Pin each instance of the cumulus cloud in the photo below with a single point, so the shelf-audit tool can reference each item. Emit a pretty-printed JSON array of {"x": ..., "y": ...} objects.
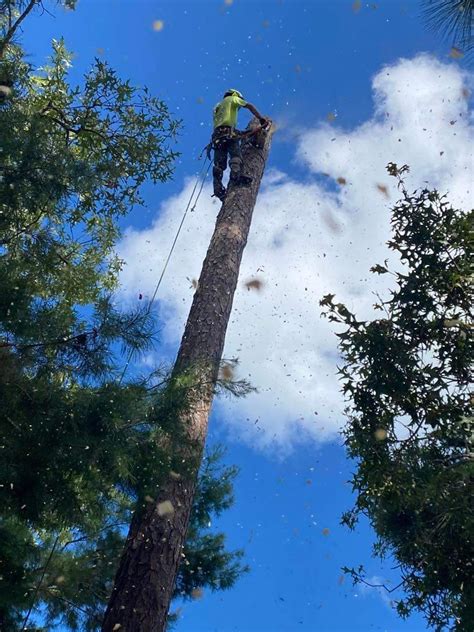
[{"x": 309, "y": 238}]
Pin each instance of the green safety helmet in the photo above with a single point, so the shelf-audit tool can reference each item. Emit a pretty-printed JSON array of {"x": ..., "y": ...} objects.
[{"x": 233, "y": 92}]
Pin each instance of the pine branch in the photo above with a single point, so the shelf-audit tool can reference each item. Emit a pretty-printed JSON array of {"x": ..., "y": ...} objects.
[
  {"x": 38, "y": 585},
  {"x": 80, "y": 339},
  {"x": 452, "y": 19}
]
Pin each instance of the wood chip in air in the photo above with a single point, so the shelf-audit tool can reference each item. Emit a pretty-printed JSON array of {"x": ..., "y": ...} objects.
[
  {"x": 383, "y": 189},
  {"x": 254, "y": 284},
  {"x": 165, "y": 508}
]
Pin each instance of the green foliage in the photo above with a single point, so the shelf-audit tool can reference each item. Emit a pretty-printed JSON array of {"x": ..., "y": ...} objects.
[
  {"x": 406, "y": 377},
  {"x": 73, "y": 161},
  {"x": 72, "y": 570}
]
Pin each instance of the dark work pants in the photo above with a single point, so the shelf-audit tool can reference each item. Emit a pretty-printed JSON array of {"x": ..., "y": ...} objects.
[{"x": 226, "y": 147}]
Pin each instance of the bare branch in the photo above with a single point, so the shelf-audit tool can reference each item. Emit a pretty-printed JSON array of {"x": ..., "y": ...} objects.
[
  {"x": 79, "y": 338},
  {"x": 386, "y": 588}
]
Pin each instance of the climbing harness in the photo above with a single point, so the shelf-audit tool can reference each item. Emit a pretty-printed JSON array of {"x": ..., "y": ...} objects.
[
  {"x": 201, "y": 178},
  {"x": 219, "y": 135},
  {"x": 228, "y": 133}
]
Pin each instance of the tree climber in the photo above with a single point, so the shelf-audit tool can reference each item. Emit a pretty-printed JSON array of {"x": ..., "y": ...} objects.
[{"x": 226, "y": 141}]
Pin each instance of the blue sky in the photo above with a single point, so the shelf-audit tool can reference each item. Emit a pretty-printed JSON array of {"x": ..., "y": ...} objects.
[{"x": 298, "y": 61}]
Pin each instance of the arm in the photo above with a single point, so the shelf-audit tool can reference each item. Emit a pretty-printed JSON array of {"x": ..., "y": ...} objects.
[{"x": 256, "y": 113}]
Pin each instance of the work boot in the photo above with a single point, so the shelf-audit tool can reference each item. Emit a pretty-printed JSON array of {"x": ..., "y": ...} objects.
[
  {"x": 219, "y": 188},
  {"x": 220, "y": 193}
]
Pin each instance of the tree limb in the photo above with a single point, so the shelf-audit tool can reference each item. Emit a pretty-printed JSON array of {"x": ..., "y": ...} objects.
[{"x": 13, "y": 27}]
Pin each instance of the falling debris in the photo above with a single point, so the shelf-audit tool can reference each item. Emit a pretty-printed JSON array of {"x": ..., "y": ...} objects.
[
  {"x": 456, "y": 53},
  {"x": 226, "y": 372},
  {"x": 451, "y": 322},
  {"x": 356, "y": 6},
  {"x": 341, "y": 181},
  {"x": 331, "y": 222},
  {"x": 383, "y": 189},
  {"x": 331, "y": 116},
  {"x": 197, "y": 593},
  {"x": 117, "y": 626},
  {"x": 158, "y": 25},
  {"x": 254, "y": 284},
  {"x": 325, "y": 531},
  {"x": 194, "y": 283},
  {"x": 165, "y": 508}
]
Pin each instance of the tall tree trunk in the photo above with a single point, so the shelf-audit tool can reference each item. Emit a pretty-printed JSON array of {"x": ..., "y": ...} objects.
[{"x": 147, "y": 572}]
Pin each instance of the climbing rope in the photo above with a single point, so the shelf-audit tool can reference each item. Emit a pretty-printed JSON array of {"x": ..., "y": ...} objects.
[{"x": 200, "y": 179}]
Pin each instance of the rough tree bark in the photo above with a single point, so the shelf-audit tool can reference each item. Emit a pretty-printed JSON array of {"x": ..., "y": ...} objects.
[{"x": 145, "y": 580}]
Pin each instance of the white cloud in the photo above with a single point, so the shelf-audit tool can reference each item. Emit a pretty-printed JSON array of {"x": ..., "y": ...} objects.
[{"x": 310, "y": 238}]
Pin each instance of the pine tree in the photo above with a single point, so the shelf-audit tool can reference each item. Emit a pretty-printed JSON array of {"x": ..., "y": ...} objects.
[{"x": 147, "y": 573}]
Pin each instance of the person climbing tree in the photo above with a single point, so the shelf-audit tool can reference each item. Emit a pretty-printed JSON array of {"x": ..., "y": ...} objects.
[{"x": 226, "y": 141}]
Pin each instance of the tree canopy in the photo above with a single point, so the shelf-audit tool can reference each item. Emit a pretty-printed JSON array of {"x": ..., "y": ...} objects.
[{"x": 406, "y": 377}]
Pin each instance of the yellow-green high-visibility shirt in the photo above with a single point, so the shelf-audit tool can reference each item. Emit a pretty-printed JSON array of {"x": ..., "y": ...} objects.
[{"x": 225, "y": 112}]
